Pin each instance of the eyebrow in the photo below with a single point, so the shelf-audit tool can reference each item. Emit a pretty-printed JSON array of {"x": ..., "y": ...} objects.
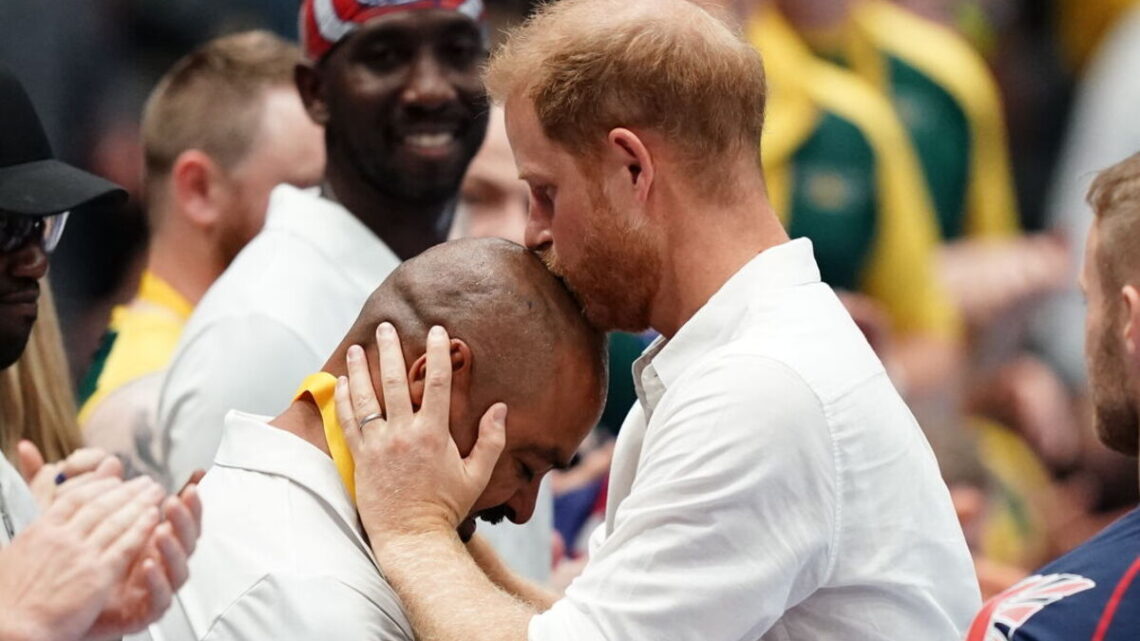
[{"x": 552, "y": 456}]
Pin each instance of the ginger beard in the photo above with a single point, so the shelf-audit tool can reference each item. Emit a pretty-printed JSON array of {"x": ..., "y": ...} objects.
[
  {"x": 613, "y": 270},
  {"x": 1117, "y": 420}
]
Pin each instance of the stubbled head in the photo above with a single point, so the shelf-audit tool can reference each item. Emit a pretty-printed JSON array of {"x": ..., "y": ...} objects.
[
  {"x": 611, "y": 104},
  {"x": 222, "y": 128},
  {"x": 1110, "y": 279},
  {"x": 517, "y": 336}
]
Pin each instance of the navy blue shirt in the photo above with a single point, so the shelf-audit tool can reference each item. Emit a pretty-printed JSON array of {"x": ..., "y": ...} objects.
[{"x": 1090, "y": 594}]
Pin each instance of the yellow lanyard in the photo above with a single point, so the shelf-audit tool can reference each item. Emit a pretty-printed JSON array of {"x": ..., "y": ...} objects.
[{"x": 321, "y": 387}]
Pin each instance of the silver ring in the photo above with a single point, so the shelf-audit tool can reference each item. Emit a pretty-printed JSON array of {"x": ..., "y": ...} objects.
[{"x": 371, "y": 417}]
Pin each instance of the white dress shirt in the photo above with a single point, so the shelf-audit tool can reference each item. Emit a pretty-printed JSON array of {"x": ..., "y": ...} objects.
[
  {"x": 272, "y": 319},
  {"x": 770, "y": 484},
  {"x": 17, "y": 507},
  {"x": 282, "y": 554}
]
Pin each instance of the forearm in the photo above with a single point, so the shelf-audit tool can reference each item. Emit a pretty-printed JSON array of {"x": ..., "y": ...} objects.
[
  {"x": 533, "y": 594},
  {"x": 446, "y": 594}
]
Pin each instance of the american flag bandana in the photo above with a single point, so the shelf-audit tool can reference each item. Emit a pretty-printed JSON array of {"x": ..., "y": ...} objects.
[{"x": 325, "y": 22}]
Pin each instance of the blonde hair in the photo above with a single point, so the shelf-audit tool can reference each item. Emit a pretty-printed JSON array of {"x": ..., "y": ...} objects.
[
  {"x": 212, "y": 100},
  {"x": 668, "y": 66},
  {"x": 1115, "y": 199},
  {"x": 36, "y": 398}
]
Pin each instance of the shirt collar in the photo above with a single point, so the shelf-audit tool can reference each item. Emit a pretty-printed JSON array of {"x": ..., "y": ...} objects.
[
  {"x": 790, "y": 264},
  {"x": 250, "y": 443},
  {"x": 333, "y": 231}
]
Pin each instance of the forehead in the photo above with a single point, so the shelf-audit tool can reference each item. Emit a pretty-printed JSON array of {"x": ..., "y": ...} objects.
[
  {"x": 423, "y": 25},
  {"x": 560, "y": 415}
]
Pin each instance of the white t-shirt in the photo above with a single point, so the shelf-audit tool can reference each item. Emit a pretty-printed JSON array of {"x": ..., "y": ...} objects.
[
  {"x": 272, "y": 319},
  {"x": 770, "y": 484},
  {"x": 282, "y": 554},
  {"x": 17, "y": 506}
]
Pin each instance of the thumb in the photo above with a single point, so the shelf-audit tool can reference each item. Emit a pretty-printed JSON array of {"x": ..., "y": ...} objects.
[
  {"x": 492, "y": 436},
  {"x": 30, "y": 460}
]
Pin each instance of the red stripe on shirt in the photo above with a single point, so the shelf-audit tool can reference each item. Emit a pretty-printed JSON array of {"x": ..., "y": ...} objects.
[{"x": 1114, "y": 602}]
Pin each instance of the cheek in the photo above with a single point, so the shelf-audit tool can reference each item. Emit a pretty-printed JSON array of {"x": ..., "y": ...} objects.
[{"x": 503, "y": 485}]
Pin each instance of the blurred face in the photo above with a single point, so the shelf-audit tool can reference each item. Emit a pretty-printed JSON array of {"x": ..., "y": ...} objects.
[
  {"x": 406, "y": 109},
  {"x": 1110, "y": 377},
  {"x": 608, "y": 257},
  {"x": 493, "y": 199},
  {"x": 289, "y": 148},
  {"x": 544, "y": 431},
  {"x": 20, "y": 271}
]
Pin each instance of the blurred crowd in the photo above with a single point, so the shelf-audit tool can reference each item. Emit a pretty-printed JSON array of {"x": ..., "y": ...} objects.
[{"x": 936, "y": 152}]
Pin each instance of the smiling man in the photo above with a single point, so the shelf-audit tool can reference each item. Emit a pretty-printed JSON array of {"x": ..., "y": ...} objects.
[{"x": 396, "y": 86}]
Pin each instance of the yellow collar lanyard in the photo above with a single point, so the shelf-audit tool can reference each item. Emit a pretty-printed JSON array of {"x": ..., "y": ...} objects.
[{"x": 321, "y": 387}]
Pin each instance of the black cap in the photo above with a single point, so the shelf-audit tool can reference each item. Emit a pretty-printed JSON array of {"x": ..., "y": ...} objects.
[{"x": 32, "y": 181}]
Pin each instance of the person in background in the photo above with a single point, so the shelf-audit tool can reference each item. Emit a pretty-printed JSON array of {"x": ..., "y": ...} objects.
[
  {"x": 98, "y": 563},
  {"x": 221, "y": 129},
  {"x": 493, "y": 200},
  {"x": 1094, "y": 591},
  {"x": 397, "y": 89},
  {"x": 841, "y": 172},
  {"x": 36, "y": 402}
]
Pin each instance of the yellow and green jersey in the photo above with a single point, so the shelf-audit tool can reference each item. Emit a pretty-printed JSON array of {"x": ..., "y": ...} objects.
[
  {"x": 140, "y": 341},
  {"x": 945, "y": 96},
  {"x": 841, "y": 171}
]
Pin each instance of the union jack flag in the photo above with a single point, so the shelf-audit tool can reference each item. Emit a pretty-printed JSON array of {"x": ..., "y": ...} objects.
[{"x": 1008, "y": 611}]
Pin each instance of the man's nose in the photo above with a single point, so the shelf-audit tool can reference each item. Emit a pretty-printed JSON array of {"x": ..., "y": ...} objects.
[
  {"x": 29, "y": 261},
  {"x": 428, "y": 85},
  {"x": 522, "y": 503},
  {"x": 538, "y": 235}
]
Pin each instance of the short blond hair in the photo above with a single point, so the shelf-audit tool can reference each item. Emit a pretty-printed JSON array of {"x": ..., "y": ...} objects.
[
  {"x": 212, "y": 100},
  {"x": 1115, "y": 199},
  {"x": 668, "y": 66}
]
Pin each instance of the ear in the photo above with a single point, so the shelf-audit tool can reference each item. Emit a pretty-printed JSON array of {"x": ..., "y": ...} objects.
[
  {"x": 461, "y": 363},
  {"x": 628, "y": 149},
  {"x": 1131, "y": 309},
  {"x": 310, "y": 85},
  {"x": 194, "y": 186}
]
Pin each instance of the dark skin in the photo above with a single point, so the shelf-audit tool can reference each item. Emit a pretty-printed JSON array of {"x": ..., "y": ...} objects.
[
  {"x": 20, "y": 272},
  {"x": 404, "y": 111}
]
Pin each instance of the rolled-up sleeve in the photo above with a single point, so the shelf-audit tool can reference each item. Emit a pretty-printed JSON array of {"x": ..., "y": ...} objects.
[{"x": 731, "y": 519}]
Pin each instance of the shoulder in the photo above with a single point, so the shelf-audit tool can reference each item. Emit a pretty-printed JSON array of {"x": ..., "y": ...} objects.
[
  {"x": 281, "y": 606},
  {"x": 1094, "y": 587}
]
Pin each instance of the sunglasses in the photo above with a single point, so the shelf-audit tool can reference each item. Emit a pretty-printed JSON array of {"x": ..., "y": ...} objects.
[{"x": 17, "y": 230}]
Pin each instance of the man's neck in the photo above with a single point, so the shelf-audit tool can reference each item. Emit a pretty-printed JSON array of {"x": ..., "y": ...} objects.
[
  {"x": 705, "y": 251},
  {"x": 186, "y": 261},
  {"x": 303, "y": 419},
  {"x": 406, "y": 228}
]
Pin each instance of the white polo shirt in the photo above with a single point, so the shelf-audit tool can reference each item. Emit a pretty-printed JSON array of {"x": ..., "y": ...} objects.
[
  {"x": 17, "y": 506},
  {"x": 771, "y": 484},
  {"x": 282, "y": 554},
  {"x": 272, "y": 319}
]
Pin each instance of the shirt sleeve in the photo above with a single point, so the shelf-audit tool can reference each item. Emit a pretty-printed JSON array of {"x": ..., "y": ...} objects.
[
  {"x": 730, "y": 520},
  {"x": 247, "y": 363},
  {"x": 286, "y": 608}
]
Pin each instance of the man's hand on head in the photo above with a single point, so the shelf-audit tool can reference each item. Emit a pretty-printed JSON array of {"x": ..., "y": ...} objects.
[{"x": 410, "y": 477}]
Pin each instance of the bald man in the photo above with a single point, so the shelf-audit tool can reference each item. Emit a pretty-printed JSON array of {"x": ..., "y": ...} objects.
[{"x": 283, "y": 555}]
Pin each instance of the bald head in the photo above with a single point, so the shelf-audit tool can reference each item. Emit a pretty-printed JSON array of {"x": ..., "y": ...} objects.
[{"x": 521, "y": 323}]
